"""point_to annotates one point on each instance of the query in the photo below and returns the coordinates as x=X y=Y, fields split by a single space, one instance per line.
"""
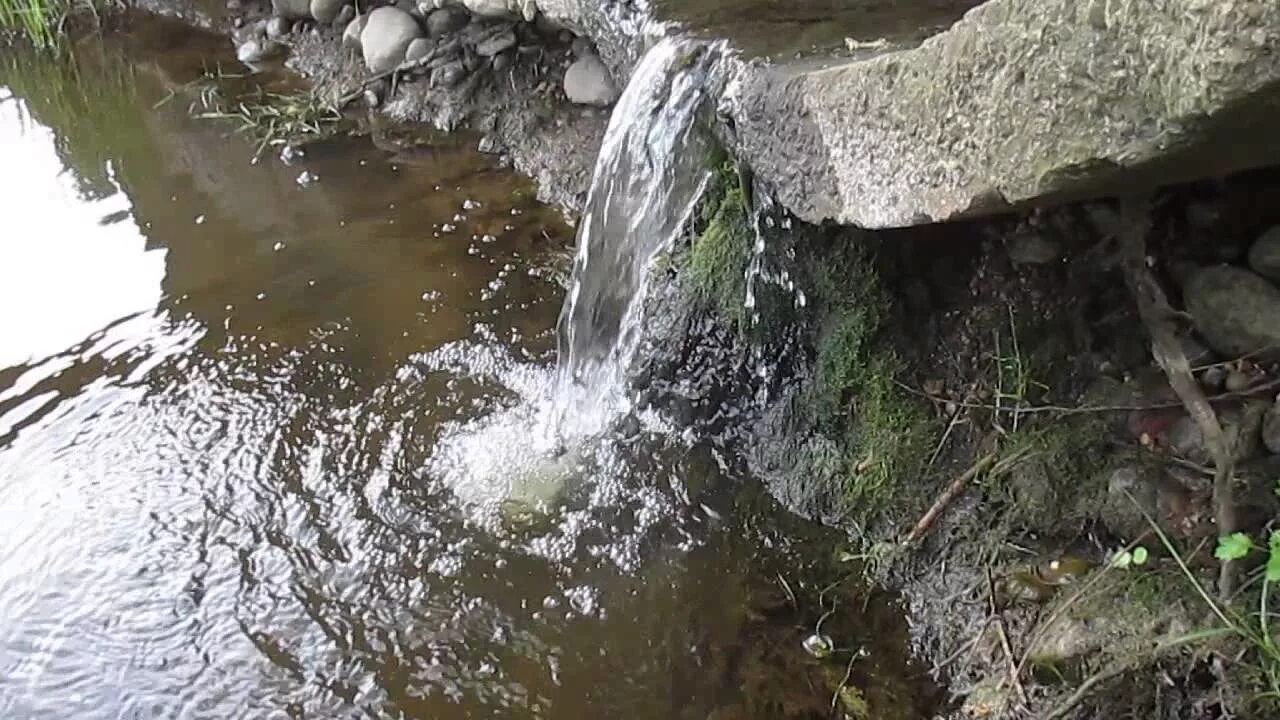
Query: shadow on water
x=220 y=397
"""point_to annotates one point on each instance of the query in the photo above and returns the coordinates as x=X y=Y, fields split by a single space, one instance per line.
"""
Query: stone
x=386 y=36
x=934 y=130
x=1125 y=487
x=1241 y=426
x=277 y=27
x=345 y=16
x=351 y=35
x=326 y=11
x=1234 y=310
x=1264 y=255
x=448 y=75
x=291 y=9
x=446 y=20
x=588 y=82
x=418 y=49
x=1271 y=428
x=258 y=49
x=492 y=8
x=496 y=43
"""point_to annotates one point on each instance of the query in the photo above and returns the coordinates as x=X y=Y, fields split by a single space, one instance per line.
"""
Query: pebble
x=277 y=27
x=1234 y=310
x=386 y=37
x=351 y=36
x=588 y=82
x=326 y=11
x=345 y=16
x=418 y=49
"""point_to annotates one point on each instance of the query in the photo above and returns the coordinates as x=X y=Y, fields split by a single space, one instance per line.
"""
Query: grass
x=272 y=119
x=42 y=21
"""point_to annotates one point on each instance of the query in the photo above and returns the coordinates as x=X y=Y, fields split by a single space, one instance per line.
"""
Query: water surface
x=262 y=453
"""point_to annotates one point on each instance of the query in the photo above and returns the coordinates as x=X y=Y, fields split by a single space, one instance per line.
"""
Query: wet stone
x=1234 y=310
x=351 y=36
x=386 y=37
x=418 y=49
x=588 y=82
x=448 y=75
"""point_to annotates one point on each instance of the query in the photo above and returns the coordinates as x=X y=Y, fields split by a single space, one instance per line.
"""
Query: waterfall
x=650 y=173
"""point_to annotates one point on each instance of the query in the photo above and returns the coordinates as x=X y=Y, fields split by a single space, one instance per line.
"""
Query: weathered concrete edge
x=1021 y=100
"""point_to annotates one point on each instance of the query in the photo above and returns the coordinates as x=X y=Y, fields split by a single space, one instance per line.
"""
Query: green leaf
x=1139 y=555
x=1274 y=541
x=1233 y=546
x=1273 y=567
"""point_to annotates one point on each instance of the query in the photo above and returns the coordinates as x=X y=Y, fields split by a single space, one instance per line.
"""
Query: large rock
x=1018 y=102
x=292 y=9
x=1234 y=310
x=588 y=82
x=386 y=36
x=1264 y=256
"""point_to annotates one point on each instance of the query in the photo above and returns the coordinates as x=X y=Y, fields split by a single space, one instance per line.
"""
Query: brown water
x=259 y=440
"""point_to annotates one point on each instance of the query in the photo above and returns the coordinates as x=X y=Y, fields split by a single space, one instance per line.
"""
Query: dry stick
x=949 y=494
x=1004 y=642
x=418 y=64
x=1080 y=410
x=1158 y=316
x=1113 y=670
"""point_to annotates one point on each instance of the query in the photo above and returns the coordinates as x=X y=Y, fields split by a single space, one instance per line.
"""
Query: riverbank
x=1004 y=358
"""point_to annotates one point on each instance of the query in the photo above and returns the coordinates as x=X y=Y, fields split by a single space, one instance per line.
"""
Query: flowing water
x=272 y=448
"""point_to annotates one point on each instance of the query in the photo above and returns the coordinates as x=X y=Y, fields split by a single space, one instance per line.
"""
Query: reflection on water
x=229 y=409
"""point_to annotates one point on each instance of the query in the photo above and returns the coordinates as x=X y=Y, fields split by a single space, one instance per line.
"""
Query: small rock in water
x=351 y=36
x=258 y=50
x=386 y=37
x=345 y=16
x=1264 y=256
x=306 y=177
x=1234 y=310
x=277 y=27
x=326 y=11
x=418 y=49
x=588 y=82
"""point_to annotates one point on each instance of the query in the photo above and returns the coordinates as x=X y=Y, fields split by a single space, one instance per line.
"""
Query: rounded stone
x=345 y=16
x=446 y=20
x=355 y=28
x=1264 y=255
x=326 y=11
x=277 y=27
x=386 y=37
x=1237 y=312
x=418 y=49
x=588 y=82
x=496 y=43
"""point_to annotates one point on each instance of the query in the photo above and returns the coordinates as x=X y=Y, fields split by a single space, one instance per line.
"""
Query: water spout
x=651 y=171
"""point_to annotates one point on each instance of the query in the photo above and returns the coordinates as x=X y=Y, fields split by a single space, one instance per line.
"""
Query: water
x=649 y=176
x=244 y=464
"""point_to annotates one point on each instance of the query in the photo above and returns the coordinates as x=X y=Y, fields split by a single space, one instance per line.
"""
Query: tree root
x=1158 y=317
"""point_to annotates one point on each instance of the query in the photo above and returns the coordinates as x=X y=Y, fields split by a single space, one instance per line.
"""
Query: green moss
x=719 y=255
x=886 y=430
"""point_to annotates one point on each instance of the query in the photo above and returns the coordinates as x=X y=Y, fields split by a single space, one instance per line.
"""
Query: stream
x=273 y=442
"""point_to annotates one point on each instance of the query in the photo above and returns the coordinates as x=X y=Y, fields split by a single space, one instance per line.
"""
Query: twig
x=1111 y=671
x=1157 y=315
x=967 y=646
x=848 y=673
x=955 y=420
x=405 y=67
x=950 y=493
x=1010 y=667
x=1086 y=409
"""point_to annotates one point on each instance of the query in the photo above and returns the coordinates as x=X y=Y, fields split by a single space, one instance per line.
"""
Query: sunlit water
x=266 y=448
